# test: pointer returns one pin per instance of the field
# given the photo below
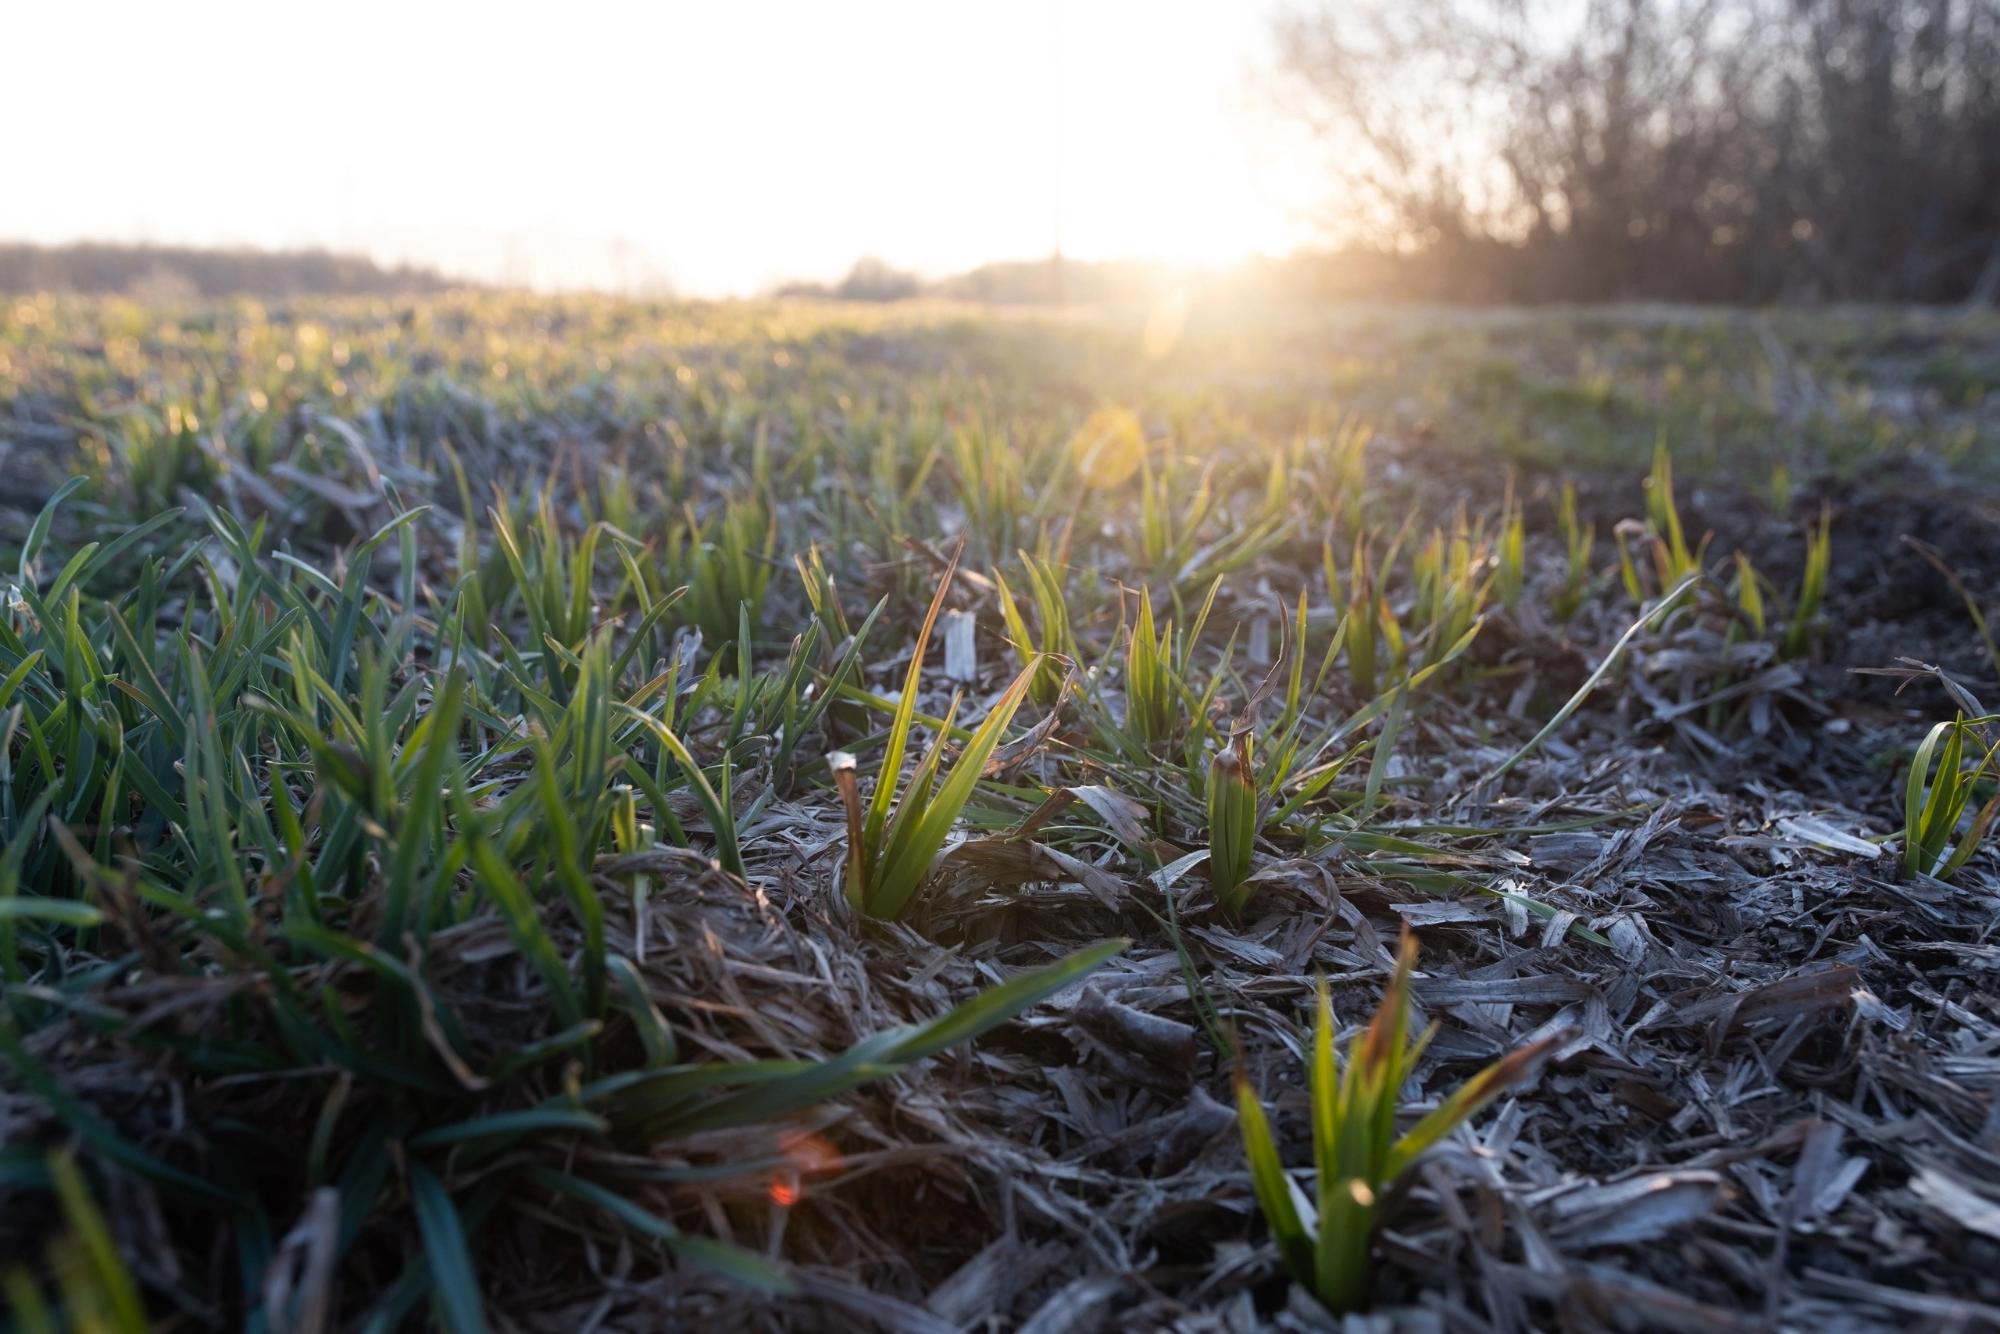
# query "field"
(535, 814)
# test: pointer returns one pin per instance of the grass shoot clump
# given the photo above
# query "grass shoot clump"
(1358, 1149)
(891, 847)
(1950, 765)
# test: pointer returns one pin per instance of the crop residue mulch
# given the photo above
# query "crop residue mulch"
(1778, 1104)
(1777, 1109)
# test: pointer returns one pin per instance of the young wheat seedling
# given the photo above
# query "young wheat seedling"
(1232, 823)
(1579, 543)
(1935, 798)
(890, 849)
(1357, 1154)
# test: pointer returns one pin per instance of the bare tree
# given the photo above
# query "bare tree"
(1714, 149)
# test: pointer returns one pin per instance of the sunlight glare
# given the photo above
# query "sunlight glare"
(713, 149)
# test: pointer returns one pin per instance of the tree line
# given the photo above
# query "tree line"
(1733, 150)
(186, 272)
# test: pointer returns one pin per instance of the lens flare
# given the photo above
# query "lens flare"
(806, 1156)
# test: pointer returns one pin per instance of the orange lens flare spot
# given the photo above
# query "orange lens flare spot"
(806, 1156)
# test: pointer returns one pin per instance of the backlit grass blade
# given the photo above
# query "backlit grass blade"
(1590, 683)
(1466, 1102)
(109, 1280)
(906, 707)
(1812, 586)
(505, 1126)
(997, 1004)
(714, 804)
(732, 1262)
(449, 1255)
(1267, 1178)
(906, 859)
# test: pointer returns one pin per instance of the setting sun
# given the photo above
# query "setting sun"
(712, 149)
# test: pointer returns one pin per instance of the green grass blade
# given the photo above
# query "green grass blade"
(448, 1254)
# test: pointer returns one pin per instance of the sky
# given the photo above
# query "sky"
(715, 147)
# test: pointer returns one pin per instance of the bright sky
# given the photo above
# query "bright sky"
(722, 145)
